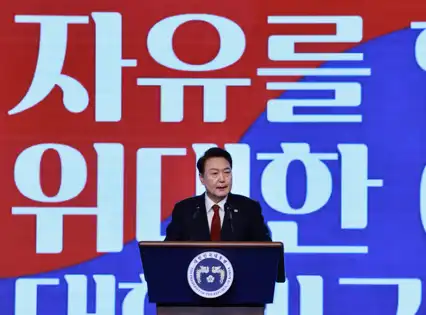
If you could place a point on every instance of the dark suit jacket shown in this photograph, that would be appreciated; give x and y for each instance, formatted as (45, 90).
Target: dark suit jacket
(189, 221)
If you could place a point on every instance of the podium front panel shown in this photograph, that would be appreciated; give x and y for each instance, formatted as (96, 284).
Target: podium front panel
(254, 275)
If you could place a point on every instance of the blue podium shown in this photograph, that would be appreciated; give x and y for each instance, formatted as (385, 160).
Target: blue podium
(212, 277)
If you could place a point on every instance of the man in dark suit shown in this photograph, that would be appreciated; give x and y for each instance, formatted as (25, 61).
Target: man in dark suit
(217, 214)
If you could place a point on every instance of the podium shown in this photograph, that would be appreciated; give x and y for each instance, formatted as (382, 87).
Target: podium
(209, 278)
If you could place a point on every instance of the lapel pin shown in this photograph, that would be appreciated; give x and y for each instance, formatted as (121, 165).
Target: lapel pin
(235, 210)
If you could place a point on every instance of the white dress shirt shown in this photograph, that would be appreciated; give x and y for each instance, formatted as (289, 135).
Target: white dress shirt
(210, 212)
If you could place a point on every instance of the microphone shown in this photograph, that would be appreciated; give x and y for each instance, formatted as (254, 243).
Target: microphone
(196, 212)
(229, 208)
(192, 233)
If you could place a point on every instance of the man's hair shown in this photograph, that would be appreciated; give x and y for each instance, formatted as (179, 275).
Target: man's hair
(212, 153)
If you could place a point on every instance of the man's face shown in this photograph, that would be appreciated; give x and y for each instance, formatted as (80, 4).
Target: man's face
(217, 178)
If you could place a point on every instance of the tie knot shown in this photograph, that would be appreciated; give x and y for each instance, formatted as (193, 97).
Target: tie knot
(216, 208)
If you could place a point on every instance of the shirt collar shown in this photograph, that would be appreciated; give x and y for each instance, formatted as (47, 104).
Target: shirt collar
(210, 203)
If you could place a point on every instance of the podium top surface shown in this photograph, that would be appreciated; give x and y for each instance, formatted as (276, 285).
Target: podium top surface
(210, 244)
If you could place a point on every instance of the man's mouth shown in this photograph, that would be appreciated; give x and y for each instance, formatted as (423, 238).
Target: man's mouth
(222, 187)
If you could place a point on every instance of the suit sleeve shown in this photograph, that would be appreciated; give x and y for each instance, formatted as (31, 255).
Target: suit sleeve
(259, 230)
(175, 229)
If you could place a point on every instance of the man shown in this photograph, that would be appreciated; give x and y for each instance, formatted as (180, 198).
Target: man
(217, 214)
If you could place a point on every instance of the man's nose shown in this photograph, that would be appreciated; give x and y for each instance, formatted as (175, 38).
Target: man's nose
(221, 177)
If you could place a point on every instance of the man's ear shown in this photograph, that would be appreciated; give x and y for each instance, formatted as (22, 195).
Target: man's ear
(200, 176)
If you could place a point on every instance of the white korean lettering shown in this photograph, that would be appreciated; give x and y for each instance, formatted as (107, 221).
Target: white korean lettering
(283, 48)
(160, 46)
(409, 291)
(109, 64)
(148, 191)
(420, 45)
(134, 302)
(172, 96)
(311, 293)
(109, 209)
(349, 29)
(26, 294)
(232, 42)
(51, 57)
(73, 172)
(354, 196)
(319, 185)
(355, 184)
(423, 199)
(280, 305)
(347, 94)
(78, 298)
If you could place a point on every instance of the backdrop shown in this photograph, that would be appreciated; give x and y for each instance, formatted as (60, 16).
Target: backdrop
(106, 106)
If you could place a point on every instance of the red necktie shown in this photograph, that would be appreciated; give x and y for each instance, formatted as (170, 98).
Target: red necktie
(215, 228)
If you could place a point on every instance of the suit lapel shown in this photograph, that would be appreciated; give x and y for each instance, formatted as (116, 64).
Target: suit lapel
(201, 223)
